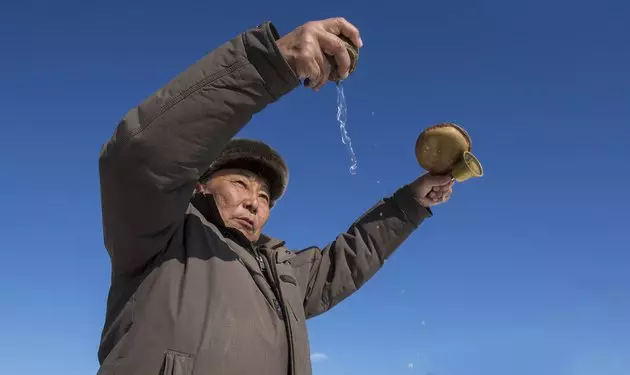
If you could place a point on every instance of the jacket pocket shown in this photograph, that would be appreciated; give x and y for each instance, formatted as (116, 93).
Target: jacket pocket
(177, 363)
(291, 293)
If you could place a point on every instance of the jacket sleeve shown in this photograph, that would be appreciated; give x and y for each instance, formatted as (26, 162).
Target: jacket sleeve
(149, 168)
(344, 265)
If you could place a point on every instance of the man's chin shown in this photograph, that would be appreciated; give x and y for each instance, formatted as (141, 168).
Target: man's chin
(252, 237)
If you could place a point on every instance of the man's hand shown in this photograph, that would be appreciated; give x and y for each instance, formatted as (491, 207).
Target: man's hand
(306, 47)
(432, 190)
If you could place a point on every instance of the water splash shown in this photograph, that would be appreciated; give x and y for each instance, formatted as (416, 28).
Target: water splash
(342, 117)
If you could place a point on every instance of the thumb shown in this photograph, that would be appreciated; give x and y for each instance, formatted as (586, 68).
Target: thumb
(437, 180)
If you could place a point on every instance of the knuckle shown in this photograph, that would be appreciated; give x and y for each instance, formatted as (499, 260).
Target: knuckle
(315, 70)
(307, 53)
(304, 30)
(310, 26)
(338, 46)
(304, 54)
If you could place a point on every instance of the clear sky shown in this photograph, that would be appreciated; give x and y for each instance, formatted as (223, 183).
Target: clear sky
(525, 271)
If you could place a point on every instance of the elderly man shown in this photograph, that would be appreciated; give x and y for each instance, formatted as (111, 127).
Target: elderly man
(196, 287)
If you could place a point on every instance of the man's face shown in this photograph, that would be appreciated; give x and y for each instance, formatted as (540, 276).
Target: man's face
(242, 198)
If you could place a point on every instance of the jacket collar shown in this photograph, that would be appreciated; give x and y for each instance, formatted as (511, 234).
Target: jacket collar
(269, 242)
(206, 204)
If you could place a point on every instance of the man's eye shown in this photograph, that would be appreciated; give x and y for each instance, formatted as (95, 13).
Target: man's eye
(240, 183)
(265, 197)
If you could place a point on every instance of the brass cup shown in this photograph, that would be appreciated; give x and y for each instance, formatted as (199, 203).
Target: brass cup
(467, 167)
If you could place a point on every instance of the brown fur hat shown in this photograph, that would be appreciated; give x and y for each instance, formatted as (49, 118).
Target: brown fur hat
(254, 156)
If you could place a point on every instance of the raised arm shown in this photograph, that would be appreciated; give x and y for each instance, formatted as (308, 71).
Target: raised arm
(149, 168)
(335, 272)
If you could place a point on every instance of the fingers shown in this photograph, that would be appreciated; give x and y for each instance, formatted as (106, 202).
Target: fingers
(316, 71)
(439, 193)
(326, 68)
(448, 186)
(438, 180)
(311, 64)
(315, 49)
(335, 47)
(339, 26)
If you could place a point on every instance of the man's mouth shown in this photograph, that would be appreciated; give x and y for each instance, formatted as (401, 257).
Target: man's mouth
(245, 222)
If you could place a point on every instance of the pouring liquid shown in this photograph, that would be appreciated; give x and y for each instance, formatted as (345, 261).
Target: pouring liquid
(342, 117)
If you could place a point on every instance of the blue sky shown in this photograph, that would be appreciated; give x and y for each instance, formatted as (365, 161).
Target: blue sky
(525, 271)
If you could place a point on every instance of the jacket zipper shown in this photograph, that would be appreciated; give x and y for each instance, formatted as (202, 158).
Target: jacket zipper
(280, 305)
(259, 259)
(276, 286)
(276, 293)
(252, 249)
(261, 263)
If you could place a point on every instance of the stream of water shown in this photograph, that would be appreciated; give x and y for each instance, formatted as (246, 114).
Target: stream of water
(342, 118)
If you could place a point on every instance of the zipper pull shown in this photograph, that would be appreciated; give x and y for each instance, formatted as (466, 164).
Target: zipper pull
(278, 309)
(261, 263)
(259, 259)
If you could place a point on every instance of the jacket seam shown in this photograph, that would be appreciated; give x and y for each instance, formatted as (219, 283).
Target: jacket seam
(399, 200)
(272, 38)
(133, 309)
(392, 200)
(275, 64)
(265, 85)
(185, 94)
(312, 277)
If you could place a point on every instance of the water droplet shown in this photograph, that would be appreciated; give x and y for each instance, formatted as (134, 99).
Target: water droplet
(378, 181)
(372, 113)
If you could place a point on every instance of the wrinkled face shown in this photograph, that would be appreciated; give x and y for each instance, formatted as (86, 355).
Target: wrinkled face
(242, 198)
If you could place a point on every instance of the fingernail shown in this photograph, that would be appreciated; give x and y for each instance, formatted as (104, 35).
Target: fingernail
(360, 42)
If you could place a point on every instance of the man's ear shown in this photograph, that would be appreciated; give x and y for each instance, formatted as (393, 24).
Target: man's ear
(200, 188)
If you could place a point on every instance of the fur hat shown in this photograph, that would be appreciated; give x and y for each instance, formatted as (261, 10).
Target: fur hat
(254, 156)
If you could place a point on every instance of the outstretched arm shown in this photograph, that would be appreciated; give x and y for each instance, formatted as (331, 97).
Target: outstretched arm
(149, 168)
(348, 262)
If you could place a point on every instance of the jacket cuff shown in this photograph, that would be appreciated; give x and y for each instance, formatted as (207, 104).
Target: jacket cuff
(264, 54)
(410, 207)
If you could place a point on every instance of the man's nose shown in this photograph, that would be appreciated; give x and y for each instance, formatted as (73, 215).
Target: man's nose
(251, 203)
